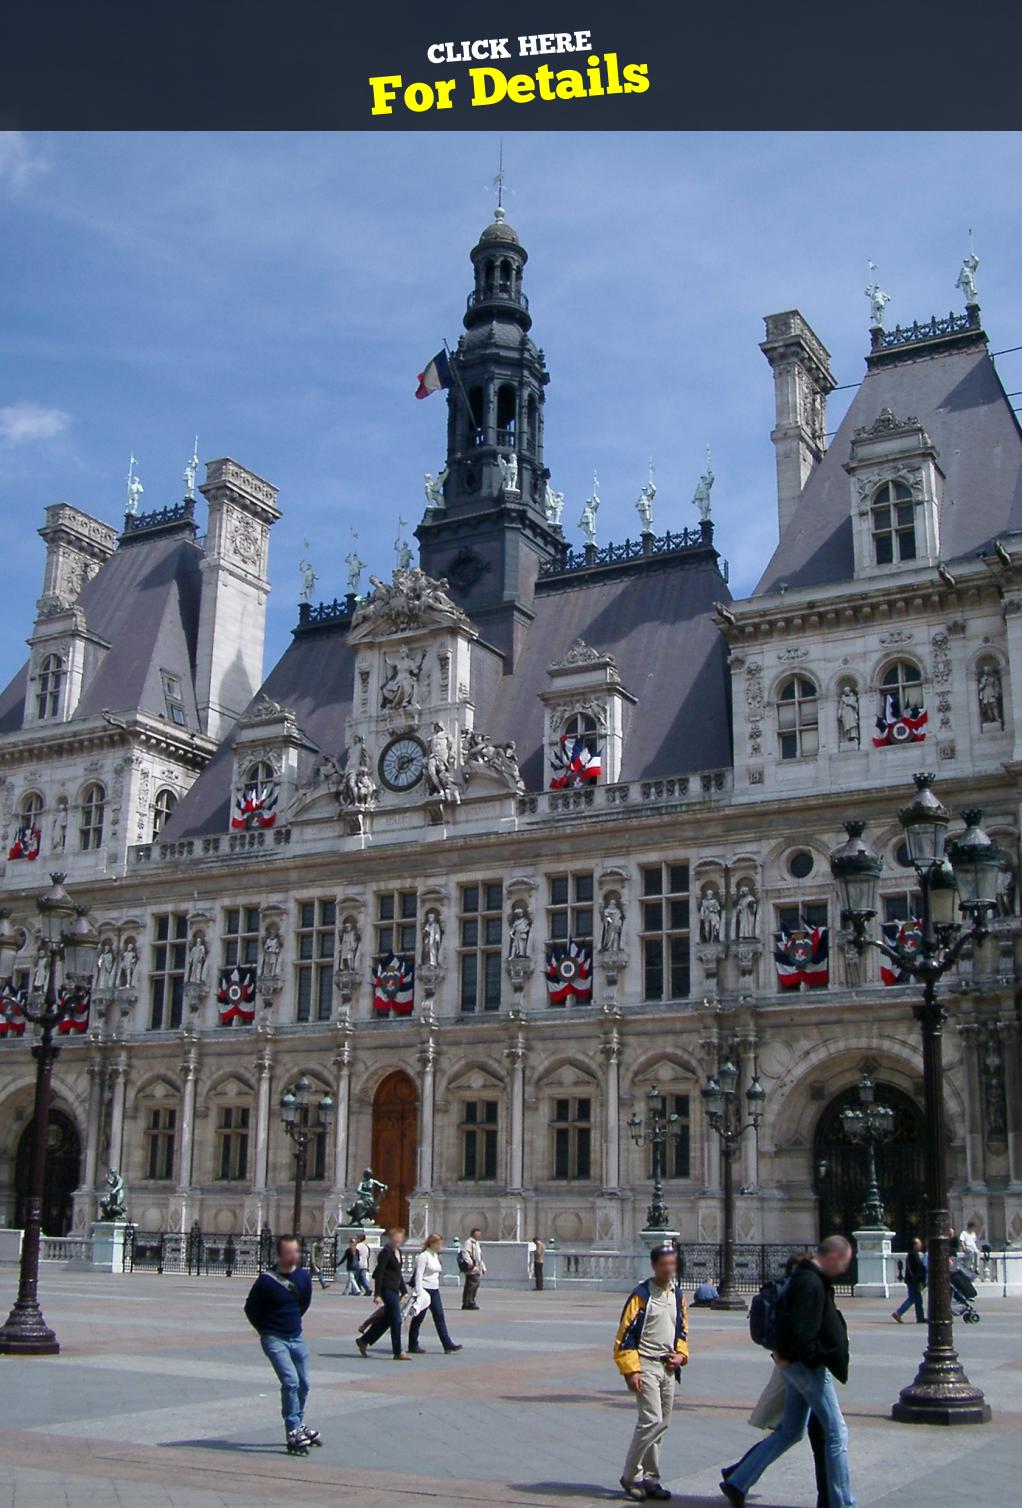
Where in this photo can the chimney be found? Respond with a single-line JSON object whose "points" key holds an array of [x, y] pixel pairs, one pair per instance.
{"points": [[802, 380]]}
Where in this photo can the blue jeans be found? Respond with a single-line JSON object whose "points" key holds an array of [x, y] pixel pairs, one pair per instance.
{"points": [[390, 1317], [436, 1308], [289, 1358], [915, 1296], [808, 1390]]}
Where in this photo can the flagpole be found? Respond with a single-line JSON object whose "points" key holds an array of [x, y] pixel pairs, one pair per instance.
{"points": [[456, 379]]}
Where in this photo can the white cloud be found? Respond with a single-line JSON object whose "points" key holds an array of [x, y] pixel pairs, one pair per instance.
{"points": [[24, 421], [20, 159]]}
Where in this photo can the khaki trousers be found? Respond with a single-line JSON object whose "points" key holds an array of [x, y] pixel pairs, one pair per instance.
{"points": [[655, 1400]]}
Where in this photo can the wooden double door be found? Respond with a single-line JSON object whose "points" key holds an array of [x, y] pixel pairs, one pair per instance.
{"points": [[395, 1144]]}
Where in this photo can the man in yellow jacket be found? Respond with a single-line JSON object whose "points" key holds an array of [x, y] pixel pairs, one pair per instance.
{"points": [[650, 1348]]}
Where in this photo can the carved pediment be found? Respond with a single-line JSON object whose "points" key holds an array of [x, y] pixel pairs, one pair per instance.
{"points": [[409, 603]]}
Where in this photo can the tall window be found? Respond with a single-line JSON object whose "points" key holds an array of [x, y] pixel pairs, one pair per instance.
{"points": [[904, 682], [570, 908], [798, 734], [395, 921], [163, 810], [573, 1132], [315, 1157], [49, 684], [314, 951], [160, 1135], [31, 810], [581, 725], [93, 808], [894, 524], [679, 1145], [232, 1142], [808, 915], [665, 932], [507, 405], [167, 974], [173, 697], [479, 1141], [240, 935], [479, 953]]}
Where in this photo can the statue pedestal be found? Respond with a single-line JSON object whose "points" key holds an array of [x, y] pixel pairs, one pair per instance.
{"points": [[108, 1245], [876, 1265], [648, 1239], [372, 1235]]}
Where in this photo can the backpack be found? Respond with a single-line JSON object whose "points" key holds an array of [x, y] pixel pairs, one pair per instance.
{"points": [[766, 1313], [464, 1263]]}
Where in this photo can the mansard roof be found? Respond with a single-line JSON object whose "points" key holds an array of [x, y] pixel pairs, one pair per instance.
{"points": [[956, 395], [144, 603]]}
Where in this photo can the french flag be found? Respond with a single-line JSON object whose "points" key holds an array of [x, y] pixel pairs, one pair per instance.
{"points": [[436, 376]]}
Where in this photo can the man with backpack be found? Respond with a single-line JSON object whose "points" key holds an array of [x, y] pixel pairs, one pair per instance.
{"points": [[650, 1348], [800, 1322], [274, 1308]]}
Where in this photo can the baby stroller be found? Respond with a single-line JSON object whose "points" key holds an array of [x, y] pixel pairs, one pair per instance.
{"points": [[963, 1291]]}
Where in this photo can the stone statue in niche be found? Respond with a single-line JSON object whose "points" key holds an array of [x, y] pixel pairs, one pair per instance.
{"points": [[198, 959], [60, 821], [106, 966], [710, 915], [848, 716], [272, 947], [348, 944], [401, 688], [746, 911], [613, 923], [991, 696], [440, 765], [357, 788], [1006, 889], [127, 965], [519, 931], [432, 938]]}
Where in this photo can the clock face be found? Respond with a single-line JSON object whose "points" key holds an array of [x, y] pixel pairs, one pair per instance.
{"points": [[402, 763]]}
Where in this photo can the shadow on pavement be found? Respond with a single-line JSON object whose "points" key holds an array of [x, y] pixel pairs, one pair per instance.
{"points": [[247, 1448], [603, 1493]]}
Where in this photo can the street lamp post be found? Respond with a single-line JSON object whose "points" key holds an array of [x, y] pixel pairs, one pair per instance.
{"points": [[724, 1116], [965, 871], [870, 1125], [69, 941], [296, 1118], [659, 1128]]}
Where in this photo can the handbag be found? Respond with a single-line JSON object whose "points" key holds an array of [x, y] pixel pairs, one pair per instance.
{"points": [[464, 1264]]}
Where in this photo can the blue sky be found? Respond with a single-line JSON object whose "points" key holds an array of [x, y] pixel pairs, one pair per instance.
{"points": [[278, 294]]}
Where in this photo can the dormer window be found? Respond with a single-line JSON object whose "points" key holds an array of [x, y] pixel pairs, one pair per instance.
{"points": [[798, 733], [173, 696], [49, 684], [893, 521], [163, 810]]}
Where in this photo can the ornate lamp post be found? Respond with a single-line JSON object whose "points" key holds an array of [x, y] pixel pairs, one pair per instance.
{"points": [[724, 1116], [296, 1118], [965, 874], [869, 1124], [658, 1129], [69, 941]]}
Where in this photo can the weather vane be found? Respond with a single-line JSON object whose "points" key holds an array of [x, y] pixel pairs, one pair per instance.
{"points": [[191, 471], [135, 488]]}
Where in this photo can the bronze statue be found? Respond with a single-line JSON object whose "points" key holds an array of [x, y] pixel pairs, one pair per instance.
{"points": [[366, 1202]]}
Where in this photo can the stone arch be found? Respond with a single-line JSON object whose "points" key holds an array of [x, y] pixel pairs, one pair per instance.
{"points": [[147, 1086], [643, 1068], [222, 1076], [369, 1083], [546, 1076], [458, 1079]]}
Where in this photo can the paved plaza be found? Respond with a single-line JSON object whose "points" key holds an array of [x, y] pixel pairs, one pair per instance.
{"points": [[162, 1397]]}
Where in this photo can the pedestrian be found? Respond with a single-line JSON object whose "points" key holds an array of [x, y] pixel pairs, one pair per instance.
{"points": [[274, 1308], [348, 1263], [362, 1258], [470, 1260], [915, 1282], [812, 1353], [650, 1348], [705, 1293], [390, 1288], [426, 1288], [968, 1243], [538, 1258], [768, 1411]]}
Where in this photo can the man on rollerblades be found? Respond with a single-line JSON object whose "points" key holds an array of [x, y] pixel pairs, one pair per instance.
{"points": [[276, 1302]]}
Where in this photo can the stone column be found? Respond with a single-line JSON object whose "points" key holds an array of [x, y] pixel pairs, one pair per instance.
{"points": [[118, 1074], [257, 1199], [1009, 1031], [711, 1141], [611, 1051], [85, 1194], [516, 1053], [420, 1206], [342, 1097], [189, 1070], [747, 1049], [974, 1169]]}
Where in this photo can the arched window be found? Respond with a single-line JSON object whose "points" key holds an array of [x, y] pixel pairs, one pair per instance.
{"points": [[798, 734], [581, 726], [507, 411], [258, 776], [893, 520], [31, 810], [163, 808], [93, 808], [48, 688], [504, 284], [903, 682]]}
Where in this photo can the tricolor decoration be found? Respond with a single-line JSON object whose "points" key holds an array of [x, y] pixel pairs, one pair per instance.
{"points": [[255, 806], [573, 763], [436, 376], [12, 1018], [393, 985], [569, 972], [897, 727], [801, 957], [26, 843], [906, 938], [75, 1004], [236, 994]]}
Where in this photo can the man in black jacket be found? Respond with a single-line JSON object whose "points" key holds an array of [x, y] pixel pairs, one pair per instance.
{"points": [[274, 1308], [812, 1352], [390, 1288]]}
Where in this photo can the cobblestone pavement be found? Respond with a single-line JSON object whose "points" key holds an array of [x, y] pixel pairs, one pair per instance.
{"points": [[162, 1399]]}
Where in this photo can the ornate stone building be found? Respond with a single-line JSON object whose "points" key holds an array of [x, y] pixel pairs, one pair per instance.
{"points": [[526, 829]]}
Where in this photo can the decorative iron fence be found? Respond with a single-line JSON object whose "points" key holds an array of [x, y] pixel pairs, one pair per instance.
{"points": [[199, 1254]]}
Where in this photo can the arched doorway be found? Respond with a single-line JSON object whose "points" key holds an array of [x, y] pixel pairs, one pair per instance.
{"points": [[840, 1167], [63, 1158], [395, 1140]]}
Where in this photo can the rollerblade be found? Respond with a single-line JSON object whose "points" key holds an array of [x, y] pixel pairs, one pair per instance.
{"points": [[311, 1435], [297, 1444]]}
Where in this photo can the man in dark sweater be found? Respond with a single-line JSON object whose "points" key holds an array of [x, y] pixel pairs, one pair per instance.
{"points": [[276, 1302], [812, 1353], [390, 1288]]}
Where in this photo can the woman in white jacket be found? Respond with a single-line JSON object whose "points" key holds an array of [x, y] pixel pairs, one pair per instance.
{"points": [[426, 1289]]}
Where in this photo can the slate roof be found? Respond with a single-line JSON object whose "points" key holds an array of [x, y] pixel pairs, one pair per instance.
{"points": [[144, 602], [958, 398]]}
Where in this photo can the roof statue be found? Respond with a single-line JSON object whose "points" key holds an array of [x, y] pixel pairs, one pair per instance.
{"points": [[191, 470], [402, 549], [878, 301], [508, 468], [135, 488], [701, 496], [587, 523], [412, 600], [644, 502], [553, 503], [308, 575], [356, 565], [435, 489], [966, 279]]}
